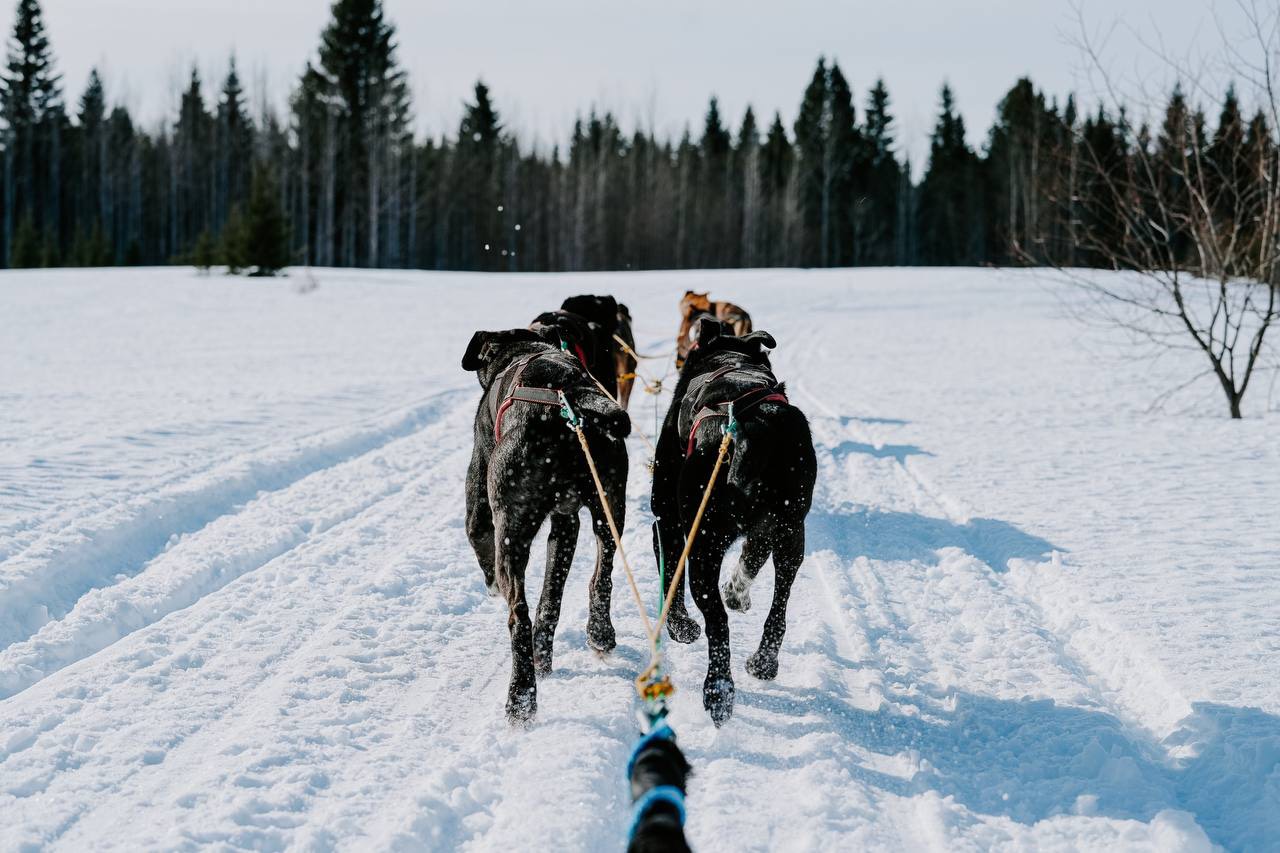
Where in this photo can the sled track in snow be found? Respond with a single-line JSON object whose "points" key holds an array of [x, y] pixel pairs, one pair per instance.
{"points": [[196, 540], [1000, 756]]}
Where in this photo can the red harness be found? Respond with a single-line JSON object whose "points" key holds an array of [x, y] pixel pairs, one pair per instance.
{"points": [[754, 397], [523, 394]]}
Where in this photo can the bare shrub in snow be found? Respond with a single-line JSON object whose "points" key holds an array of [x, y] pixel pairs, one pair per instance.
{"points": [[1195, 215]]}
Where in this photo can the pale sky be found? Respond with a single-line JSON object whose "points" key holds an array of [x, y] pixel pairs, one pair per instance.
{"points": [[655, 62]]}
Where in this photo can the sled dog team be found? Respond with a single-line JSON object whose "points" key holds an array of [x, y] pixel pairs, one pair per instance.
{"points": [[578, 363]]}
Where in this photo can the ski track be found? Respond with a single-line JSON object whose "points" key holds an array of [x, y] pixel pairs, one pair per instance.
{"points": [[46, 580], [293, 649]]}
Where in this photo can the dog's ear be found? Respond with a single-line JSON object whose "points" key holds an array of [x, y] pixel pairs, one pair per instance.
{"points": [[707, 330], [484, 344], [765, 340], [478, 351]]}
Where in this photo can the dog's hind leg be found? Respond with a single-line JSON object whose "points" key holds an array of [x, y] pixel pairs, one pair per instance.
{"points": [[480, 519], [560, 547], [788, 554], [668, 542], [737, 589], [704, 573], [513, 532], [600, 633]]}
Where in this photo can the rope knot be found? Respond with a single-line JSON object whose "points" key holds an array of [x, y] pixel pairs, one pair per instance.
{"points": [[567, 412], [730, 428]]}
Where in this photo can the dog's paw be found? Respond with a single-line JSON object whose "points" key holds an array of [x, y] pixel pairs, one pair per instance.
{"points": [[762, 667], [681, 628], [491, 587], [602, 638], [717, 698], [736, 597], [521, 707]]}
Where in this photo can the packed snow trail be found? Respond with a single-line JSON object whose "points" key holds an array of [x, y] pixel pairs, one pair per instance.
{"points": [[267, 629]]}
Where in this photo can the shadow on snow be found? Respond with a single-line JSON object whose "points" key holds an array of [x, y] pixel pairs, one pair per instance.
{"points": [[1029, 760], [886, 535]]}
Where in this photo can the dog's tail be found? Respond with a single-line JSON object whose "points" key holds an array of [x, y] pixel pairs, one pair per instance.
{"points": [[749, 459], [600, 414], [768, 439]]}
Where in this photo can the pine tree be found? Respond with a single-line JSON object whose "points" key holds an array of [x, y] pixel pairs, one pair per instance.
{"points": [[31, 105], [1226, 170], [358, 60], [744, 181], [713, 192], [776, 180], [266, 231], [26, 245], [846, 218], [949, 219], [1173, 162], [92, 118], [1101, 217], [234, 146], [204, 252], [234, 242], [1022, 166], [192, 184], [883, 183], [811, 154], [474, 182]]}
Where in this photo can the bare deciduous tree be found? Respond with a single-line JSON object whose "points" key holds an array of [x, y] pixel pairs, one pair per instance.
{"points": [[1195, 218]]}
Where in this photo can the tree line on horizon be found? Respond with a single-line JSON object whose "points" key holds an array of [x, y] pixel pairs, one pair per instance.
{"points": [[341, 180]]}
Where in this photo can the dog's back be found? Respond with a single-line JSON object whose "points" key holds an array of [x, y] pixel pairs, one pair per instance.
{"points": [[694, 305], [624, 356]]}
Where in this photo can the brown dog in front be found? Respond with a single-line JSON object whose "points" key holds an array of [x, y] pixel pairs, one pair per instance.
{"points": [[694, 305]]}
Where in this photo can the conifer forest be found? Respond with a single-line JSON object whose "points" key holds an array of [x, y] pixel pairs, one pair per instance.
{"points": [[341, 179]]}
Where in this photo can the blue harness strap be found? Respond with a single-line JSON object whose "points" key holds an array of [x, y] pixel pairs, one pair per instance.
{"points": [[661, 794], [662, 731]]}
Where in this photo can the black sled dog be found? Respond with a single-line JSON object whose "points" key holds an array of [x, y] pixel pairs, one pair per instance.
{"points": [[585, 326], [764, 494], [527, 465]]}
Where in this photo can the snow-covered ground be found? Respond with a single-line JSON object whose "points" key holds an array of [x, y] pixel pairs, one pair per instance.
{"points": [[238, 608]]}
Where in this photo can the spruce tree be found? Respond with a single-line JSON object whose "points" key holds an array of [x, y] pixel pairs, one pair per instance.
{"points": [[776, 175], [31, 105], [1225, 155], [235, 138], [92, 118], [846, 220], [1172, 163], [204, 252], [811, 151], [884, 179], [949, 214], [474, 182], [233, 243], [1021, 165], [745, 195], [194, 150], [358, 61], [266, 230], [1102, 220], [713, 234], [26, 245]]}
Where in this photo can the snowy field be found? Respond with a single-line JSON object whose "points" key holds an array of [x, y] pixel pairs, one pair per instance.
{"points": [[238, 608]]}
